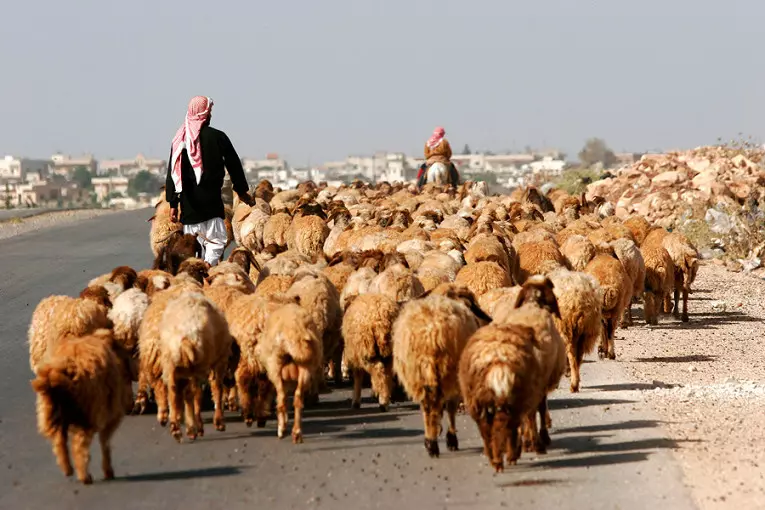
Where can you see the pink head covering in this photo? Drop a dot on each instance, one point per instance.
(187, 137)
(438, 135)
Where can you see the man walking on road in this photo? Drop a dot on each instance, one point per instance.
(195, 175)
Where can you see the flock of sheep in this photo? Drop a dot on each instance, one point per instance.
(458, 297)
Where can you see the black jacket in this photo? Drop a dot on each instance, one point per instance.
(203, 201)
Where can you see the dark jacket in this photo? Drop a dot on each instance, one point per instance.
(203, 201)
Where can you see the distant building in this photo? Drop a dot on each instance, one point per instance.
(65, 165)
(48, 194)
(23, 169)
(106, 186)
(130, 167)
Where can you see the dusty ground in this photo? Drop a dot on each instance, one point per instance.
(706, 379)
(14, 226)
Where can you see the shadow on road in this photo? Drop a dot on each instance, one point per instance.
(605, 427)
(574, 403)
(677, 359)
(532, 483)
(183, 475)
(630, 386)
(591, 460)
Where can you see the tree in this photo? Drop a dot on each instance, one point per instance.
(596, 151)
(82, 177)
(466, 150)
(8, 203)
(143, 182)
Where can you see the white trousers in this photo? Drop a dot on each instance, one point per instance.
(212, 237)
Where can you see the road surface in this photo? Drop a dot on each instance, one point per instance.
(608, 450)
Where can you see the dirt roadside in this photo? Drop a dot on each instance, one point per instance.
(15, 226)
(706, 379)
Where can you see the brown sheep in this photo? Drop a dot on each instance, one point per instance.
(82, 389)
(126, 314)
(580, 324)
(639, 227)
(659, 275)
(194, 343)
(629, 255)
(291, 350)
(162, 229)
(307, 235)
(428, 338)
(499, 376)
(178, 248)
(151, 281)
(578, 252)
(367, 326)
(617, 292)
(538, 259)
(686, 262)
(275, 230)
(482, 277)
(56, 317)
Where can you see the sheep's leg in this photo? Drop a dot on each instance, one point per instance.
(161, 396)
(232, 398)
(382, 384)
(609, 338)
(304, 380)
(358, 377)
(603, 347)
(243, 383)
(573, 368)
(515, 445)
(337, 363)
(578, 356)
(676, 309)
(175, 390)
(432, 409)
(543, 438)
(189, 395)
(281, 407)
(61, 451)
(452, 444)
(627, 321)
(484, 426)
(81, 440)
(198, 397)
(684, 317)
(216, 386)
(530, 432)
(666, 307)
(264, 400)
(649, 308)
(499, 441)
(105, 437)
(142, 395)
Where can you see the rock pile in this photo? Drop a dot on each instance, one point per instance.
(665, 188)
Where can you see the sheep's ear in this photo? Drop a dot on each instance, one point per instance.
(151, 219)
(253, 261)
(426, 294)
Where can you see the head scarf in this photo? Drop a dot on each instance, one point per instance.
(187, 137)
(438, 135)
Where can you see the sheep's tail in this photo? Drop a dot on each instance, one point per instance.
(187, 352)
(428, 377)
(610, 298)
(303, 349)
(56, 405)
(500, 379)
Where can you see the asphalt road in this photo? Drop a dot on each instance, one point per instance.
(608, 450)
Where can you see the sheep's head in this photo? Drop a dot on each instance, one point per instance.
(195, 268)
(98, 294)
(538, 290)
(124, 276)
(245, 259)
(462, 294)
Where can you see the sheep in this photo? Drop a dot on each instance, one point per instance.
(83, 388)
(578, 251)
(273, 284)
(247, 261)
(629, 255)
(498, 375)
(358, 283)
(490, 300)
(252, 230)
(639, 227)
(194, 268)
(487, 247)
(537, 258)
(194, 342)
(290, 348)
(397, 282)
(308, 232)
(56, 317)
(230, 274)
(659, 275)
(367, 326)
(617, 292)
(178, 248)
(151, 281)
(580, 324)
(685, 259)
(275, 229)
(116, 281)
(536, 307)
(429, 336)
(126, 314)
(482, 277)
(162, 229)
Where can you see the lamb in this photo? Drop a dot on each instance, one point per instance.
(429, 336)
(579, 302)
(162, 229)
(629, 255)
(56, 317)
(536, 307)
(617, 292)
(291, 350)
(367, 326)
(482, 277)
(499, 379)
(194, 342)
(82, 389)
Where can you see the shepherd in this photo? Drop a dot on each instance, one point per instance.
(438, 167)
(195, 174)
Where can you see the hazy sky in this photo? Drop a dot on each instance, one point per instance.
(316, 80)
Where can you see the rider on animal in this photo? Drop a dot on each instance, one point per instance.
(438, 163)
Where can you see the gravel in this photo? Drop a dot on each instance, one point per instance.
(706, 380)
(15, 226)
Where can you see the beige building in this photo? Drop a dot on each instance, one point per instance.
(130, 167)
(65, 165)
(48, 194)
(23, 169)
(105, 186)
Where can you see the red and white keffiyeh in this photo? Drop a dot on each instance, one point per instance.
(187, 137)
(438, 135)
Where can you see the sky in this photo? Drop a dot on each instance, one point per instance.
(317, 80)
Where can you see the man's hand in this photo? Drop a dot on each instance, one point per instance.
(174, 215)
(246, 198)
